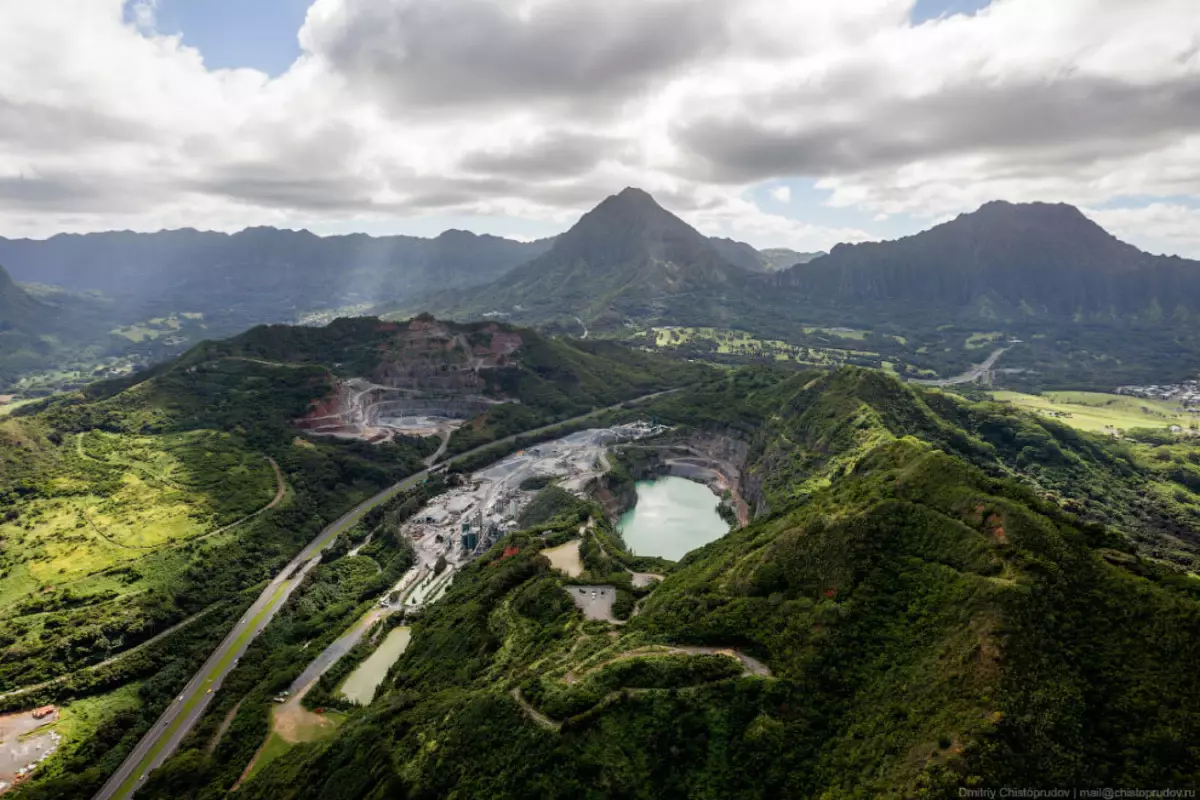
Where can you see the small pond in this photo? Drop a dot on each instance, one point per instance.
(362, 683)
(673, 516)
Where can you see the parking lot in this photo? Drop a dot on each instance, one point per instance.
(595, 602)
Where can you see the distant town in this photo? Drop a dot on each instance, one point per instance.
(1187, 394)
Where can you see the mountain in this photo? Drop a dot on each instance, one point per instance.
(772, 259)
(628, 257)
(740, 254)
(913, 611)
(32, 333)
(777, 258)
(18, 310)
(259, 274)
(1010, 262)
(176, 491)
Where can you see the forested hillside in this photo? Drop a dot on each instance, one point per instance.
(142, 515)
(934, 595)
(259, 274)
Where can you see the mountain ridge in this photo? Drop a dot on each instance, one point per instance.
(627, 257)
(1028, 260)
(17, 307)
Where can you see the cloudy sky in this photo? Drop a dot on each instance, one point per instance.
(780, 122)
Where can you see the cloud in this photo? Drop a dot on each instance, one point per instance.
(484, 53)
(537, 109)
(1162, 227)
(548, 156)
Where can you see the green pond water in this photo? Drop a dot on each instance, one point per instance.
(673, 516)
(362, 683)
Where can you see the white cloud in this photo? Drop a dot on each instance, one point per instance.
(537, 109)
(1161, 227)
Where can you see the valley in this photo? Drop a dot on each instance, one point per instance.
(148, 514)
(493, 565)
(751, 507)
(599, 400)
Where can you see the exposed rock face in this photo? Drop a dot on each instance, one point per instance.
(426, 382)
(429, 356)
(715, 458)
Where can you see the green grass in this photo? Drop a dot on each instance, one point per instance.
(190, 703)
(841, 333)
(275, 747)
(8, 408)
(727, 342)
(82, 719)
(1099, 412)
(113, 499)
(136, 333)
(152, 329)
(977, 340)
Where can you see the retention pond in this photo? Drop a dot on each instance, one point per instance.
(673, 516)
(361, 685)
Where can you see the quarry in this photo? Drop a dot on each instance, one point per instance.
(428, 380)
(467, 520)
(371, 412)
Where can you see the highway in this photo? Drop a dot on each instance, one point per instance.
(973, 374)
(177, 721)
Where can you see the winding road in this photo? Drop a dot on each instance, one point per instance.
(161, 741)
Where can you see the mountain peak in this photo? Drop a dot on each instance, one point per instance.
(628, 256)
(629, 226)
(631, 200)
(636, 195)
(1002, 210)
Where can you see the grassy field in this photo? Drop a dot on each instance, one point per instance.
(739, 343)
(114, 499)
(152, 329)
(841, 333)
(1099, 412)
(80, 720)
(276, 745)
(978, 340)
(12, 405)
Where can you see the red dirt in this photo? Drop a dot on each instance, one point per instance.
(504, 344)
(995, 525)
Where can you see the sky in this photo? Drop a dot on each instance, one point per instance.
(778, 122)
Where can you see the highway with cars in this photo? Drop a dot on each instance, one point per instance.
(162, 740)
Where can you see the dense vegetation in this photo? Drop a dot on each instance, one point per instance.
(149, 502)
(933, 618)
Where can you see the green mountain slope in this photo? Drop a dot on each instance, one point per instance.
(914, 614)
(152, 501)
(1022, 262)
(17, 308)
(259, 274)
(23, 323)
(628, 257)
